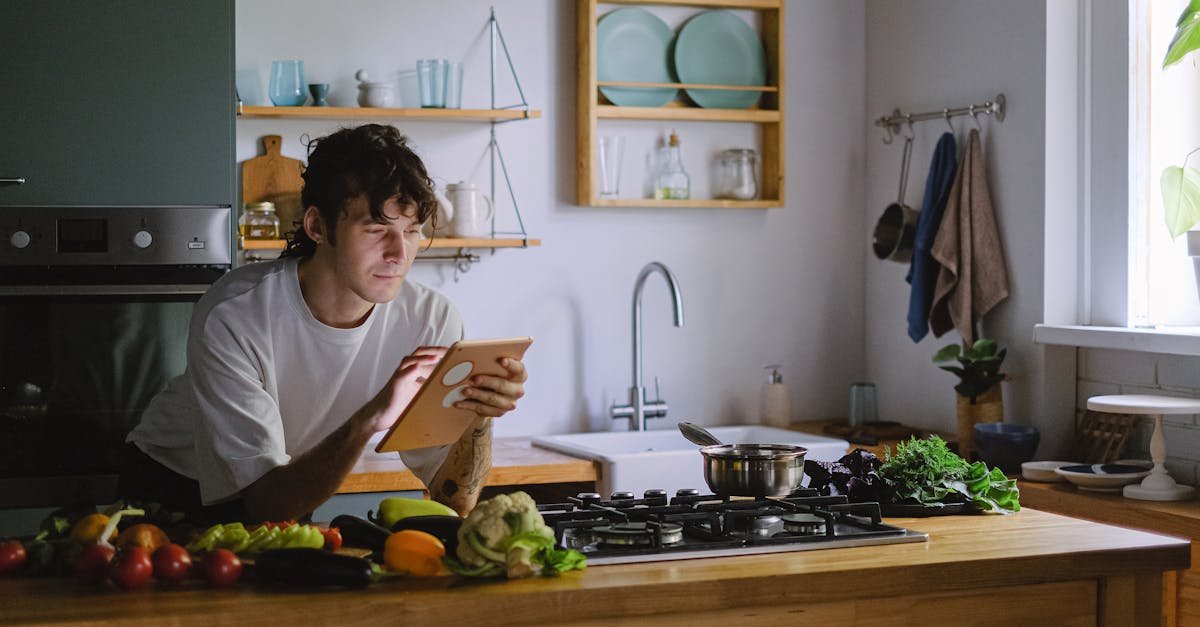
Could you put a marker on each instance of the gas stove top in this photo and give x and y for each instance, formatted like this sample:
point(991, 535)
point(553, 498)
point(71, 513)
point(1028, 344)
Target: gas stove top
point(689, 525)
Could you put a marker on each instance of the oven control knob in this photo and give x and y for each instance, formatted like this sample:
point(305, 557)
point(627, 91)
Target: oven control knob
point(654, 494)
point(19, 239)
point(143, 239)
point(621, 496)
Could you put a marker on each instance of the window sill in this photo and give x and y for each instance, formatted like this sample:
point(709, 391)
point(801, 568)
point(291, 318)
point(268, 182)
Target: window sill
point(1168, 340)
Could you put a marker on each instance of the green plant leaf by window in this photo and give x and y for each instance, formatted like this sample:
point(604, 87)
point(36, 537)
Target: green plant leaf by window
point(1181, 198)
point(1187, 34)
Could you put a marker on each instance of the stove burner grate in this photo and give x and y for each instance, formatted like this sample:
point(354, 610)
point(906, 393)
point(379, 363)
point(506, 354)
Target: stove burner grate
point(638, 533)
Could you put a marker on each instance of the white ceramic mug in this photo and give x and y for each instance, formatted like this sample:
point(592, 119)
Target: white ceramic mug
point(472, 210)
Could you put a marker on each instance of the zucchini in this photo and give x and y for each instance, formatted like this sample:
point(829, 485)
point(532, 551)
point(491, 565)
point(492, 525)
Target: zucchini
point(361, 533)
point(444, 528)
point(312, 567)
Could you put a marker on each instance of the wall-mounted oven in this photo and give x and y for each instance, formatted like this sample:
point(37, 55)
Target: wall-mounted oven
point(94, 311)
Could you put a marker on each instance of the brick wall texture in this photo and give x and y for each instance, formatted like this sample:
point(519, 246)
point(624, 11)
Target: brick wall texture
point(1104, 371)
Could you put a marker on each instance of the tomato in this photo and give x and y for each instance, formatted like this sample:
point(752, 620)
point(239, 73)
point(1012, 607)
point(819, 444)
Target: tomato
point(172, 563)
point(132, 568)
point(333, 538)
point(222, 568)
point(93, 563)
point(12, 557)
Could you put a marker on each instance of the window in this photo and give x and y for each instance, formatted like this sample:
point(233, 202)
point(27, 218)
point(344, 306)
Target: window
point(1165, 127)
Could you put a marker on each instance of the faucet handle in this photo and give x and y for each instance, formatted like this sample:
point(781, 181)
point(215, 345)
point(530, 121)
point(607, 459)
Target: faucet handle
point(657, 392)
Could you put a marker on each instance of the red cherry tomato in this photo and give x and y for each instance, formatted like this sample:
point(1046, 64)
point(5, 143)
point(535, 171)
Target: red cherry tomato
point(12, 557)
point(172, 564)
point(333, 538)
point(93, 563)
point(132, 568)
point(222, 568)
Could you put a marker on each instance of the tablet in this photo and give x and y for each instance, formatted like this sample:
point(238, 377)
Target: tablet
point(431, 419)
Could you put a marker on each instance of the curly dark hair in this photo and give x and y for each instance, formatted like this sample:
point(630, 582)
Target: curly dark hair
point(372, 160)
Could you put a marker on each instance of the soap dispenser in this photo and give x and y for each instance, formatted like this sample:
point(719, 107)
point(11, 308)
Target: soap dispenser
point(776, 409)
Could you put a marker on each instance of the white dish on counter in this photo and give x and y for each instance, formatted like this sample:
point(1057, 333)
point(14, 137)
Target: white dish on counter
point(1102, 477)
point(1044, 471)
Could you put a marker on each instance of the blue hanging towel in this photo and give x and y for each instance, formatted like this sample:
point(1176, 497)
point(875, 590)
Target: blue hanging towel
point(923, 272)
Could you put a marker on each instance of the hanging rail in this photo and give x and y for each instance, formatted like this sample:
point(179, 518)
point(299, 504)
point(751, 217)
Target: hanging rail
point(893, 122)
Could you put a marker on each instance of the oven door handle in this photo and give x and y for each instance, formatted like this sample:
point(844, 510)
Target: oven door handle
point(181, 289)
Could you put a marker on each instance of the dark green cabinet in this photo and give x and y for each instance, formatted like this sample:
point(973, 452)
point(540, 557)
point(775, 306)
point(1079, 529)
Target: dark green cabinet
point(117, 102)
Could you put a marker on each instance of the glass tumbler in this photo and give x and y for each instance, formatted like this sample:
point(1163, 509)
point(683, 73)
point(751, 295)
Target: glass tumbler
point(431, 81)
point(287, 83)
point(612, 148)
point(864, 405)
point(454, 78)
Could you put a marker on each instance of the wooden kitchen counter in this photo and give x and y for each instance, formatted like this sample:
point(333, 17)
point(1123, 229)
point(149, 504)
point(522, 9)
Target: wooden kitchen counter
point(1178, 518)
point(515, 461)
point(1031, 567)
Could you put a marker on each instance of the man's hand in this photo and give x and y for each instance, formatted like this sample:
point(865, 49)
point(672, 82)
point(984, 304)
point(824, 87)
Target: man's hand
point(399, 391)
point(495, 396)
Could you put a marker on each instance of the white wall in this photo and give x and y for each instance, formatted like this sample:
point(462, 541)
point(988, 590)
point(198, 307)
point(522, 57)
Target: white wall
point(925, 55)
point(774, 286)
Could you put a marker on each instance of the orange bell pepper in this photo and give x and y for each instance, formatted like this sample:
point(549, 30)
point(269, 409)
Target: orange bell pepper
point(414, 552)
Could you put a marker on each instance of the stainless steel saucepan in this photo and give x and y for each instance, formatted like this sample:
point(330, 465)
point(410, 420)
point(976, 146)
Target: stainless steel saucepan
point(756, 470)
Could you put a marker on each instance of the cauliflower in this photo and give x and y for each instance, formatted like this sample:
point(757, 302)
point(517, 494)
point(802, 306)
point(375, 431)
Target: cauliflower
point(506, 534)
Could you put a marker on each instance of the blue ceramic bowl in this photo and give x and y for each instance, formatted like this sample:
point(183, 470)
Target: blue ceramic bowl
point(1006, 445)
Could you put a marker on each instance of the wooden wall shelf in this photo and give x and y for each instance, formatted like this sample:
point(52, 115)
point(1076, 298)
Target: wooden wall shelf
point(435, 243)
point(699, 203)
point(342, 113)
point(761, 116)
point(592, 107)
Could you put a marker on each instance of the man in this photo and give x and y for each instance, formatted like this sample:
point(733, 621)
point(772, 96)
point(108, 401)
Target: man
point(291, 364)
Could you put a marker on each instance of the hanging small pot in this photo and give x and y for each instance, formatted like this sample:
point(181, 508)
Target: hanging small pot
point(897, 227)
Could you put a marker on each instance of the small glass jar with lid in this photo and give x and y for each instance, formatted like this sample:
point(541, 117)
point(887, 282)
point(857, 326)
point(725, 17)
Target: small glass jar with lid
point(259, 221)
point(736, 174)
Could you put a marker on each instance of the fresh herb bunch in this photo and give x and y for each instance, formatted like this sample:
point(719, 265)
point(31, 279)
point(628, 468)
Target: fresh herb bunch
point(980, 368)
point(926, 472)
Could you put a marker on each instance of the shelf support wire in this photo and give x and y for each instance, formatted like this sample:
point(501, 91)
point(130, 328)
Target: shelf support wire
point(494, 32)
point(892, 123)
point(498, 155)
point(494, 152)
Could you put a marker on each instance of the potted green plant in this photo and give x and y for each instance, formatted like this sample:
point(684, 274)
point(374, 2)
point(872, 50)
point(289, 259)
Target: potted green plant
point(978, 390)
point(1181, 184)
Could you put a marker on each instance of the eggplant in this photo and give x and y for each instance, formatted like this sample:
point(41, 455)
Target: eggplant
point(312, 567)
point(444, 528)
point(361, 533)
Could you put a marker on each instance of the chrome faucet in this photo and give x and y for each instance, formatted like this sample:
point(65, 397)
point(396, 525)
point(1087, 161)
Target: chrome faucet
point(639, 408)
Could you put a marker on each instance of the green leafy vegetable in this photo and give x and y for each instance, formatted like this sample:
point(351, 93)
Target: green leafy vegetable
point(926, 472)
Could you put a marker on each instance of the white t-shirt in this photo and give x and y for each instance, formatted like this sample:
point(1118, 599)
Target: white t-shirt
point(266, 381)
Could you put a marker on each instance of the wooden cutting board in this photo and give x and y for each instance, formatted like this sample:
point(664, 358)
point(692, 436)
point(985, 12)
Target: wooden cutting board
point(275, 178)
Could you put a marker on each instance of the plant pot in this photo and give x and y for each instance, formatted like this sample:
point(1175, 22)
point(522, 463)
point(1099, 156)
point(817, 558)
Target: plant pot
point(988, 407)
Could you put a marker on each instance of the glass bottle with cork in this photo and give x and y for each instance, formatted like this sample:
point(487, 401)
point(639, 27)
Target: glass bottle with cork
point(671, 182)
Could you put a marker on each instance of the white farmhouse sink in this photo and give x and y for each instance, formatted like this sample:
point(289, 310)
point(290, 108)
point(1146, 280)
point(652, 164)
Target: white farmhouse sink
point(636, 461)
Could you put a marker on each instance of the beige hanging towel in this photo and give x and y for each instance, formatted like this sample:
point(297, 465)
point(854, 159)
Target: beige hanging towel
point(973, 277)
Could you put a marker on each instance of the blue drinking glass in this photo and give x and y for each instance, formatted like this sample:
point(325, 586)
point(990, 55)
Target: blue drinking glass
point(425, 71)
point(287, 83)
point(440, 67)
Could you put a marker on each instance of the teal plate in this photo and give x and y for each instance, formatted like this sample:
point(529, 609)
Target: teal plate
point(718, 48)
point(634, 45)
